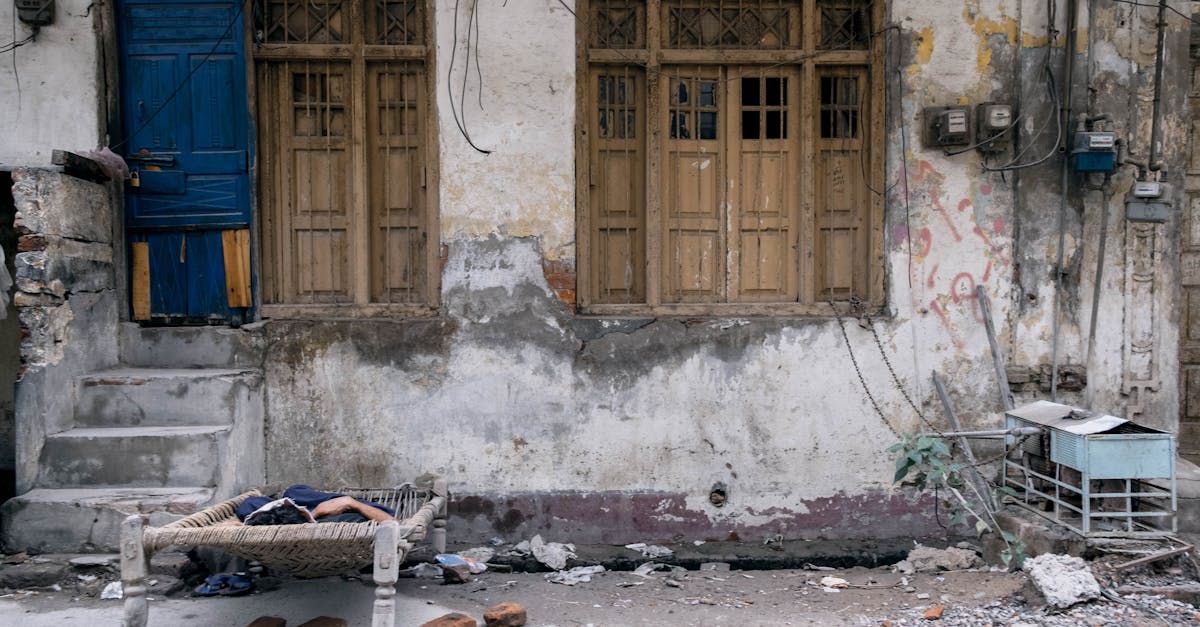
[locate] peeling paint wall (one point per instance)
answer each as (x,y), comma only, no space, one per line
(530,409)
(617,429)
(50,88)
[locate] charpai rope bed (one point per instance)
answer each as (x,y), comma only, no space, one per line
(305,550)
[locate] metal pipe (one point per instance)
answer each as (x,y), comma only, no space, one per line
(986,433)
(1068,66)
(1155,153)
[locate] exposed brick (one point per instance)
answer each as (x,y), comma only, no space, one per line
(268,621)
(560,276)
(30,243)
(453,619)
(505,614)
(325,621)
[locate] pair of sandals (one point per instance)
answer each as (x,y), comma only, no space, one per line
(225,585)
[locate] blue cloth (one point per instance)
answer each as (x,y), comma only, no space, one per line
(309,498)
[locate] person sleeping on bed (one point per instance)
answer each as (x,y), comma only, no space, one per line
(302,504)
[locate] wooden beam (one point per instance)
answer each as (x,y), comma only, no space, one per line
(236,248)
(141,280)
(981,484)
(1154,557)
(1006,398)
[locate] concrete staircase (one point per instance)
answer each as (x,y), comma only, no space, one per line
(176,427)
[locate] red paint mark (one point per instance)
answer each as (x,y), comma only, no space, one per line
(945,216)
(925,240)
(985,189)
(926,170)
(929,281)
(963,204)
(987,272)
(993,249)
(962,287)
(998,226)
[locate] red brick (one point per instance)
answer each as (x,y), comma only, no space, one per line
(453,619)
(505,615)
(268,621)
(325,621)
(28,243)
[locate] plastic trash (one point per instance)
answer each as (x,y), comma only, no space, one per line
(579,574)
(450,559)
(112,591)
(652,551)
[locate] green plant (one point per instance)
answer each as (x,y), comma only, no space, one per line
(927,463)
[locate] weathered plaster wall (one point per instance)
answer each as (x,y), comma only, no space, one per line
(65,301)
(49,88)
(617,429)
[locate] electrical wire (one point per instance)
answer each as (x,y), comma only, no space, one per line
(237,16)
(13,45)
(460,120)
(979,144)
(1155,6)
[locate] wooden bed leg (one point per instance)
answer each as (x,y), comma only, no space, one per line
(134,567)
(438,533)
(387,568)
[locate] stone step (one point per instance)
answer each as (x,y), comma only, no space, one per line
(189,347)
(129,397)
(88,520)
(133,457)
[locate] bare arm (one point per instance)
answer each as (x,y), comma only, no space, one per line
(343,504)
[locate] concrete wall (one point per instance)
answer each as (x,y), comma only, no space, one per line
(51,88)
(617,429)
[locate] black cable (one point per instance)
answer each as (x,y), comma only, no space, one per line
(1155,6)
(237,15)
(13,45)
(450,82)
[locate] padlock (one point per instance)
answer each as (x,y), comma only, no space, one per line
(134,181)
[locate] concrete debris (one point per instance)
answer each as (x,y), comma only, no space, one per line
(112,591)
(579,574)
(652,551)
(834,582)
(926,559)
(552,554)
(93,561)
(1062,580)
(31,574)
(456,573)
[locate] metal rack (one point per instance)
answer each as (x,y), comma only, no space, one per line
(1102,475)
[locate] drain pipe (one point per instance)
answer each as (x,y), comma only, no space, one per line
(1155,159)
(1068,66)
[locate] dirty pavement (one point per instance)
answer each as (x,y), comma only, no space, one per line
(70,590)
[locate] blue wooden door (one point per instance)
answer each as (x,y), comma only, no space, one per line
(186,116)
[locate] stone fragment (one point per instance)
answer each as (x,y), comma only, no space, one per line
(94,561)
(1063,580)
(934,612)
(505,614)
(926,559)
(268,621)
(453,619)
(456,573)
(31,575)
(552,554)
(325,621)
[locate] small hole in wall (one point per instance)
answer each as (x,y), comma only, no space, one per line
(719,494)
(1032,297)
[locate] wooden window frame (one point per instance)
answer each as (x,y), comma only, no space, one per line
(809,61)
(360,57)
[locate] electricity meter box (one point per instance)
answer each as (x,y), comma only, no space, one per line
(1148,201)
(1094,151)
(947,126)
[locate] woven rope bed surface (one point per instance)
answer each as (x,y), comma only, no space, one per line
(305,550)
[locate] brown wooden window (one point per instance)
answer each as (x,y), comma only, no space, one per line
(345,147)
(727,149)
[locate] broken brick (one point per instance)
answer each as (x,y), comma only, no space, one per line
(934,612)
(268,621)
(31,243)
(505,614)
(325,621)
(453,619)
